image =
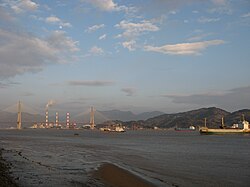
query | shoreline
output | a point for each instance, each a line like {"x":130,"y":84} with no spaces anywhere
{"x":5,"y":178}
{"x":112,"y":175}
{"x":105,"y":175}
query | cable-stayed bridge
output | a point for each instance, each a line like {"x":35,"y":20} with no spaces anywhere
{"x":30,"y":116}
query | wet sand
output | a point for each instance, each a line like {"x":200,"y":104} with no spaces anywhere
{"x":5,"y":178}
{"x":112,"y":175}
{"x":106,"y":175}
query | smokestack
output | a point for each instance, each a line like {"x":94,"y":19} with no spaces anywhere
{"x":57,"y":121}
{"x":46,"y":117}
{"x":50,"y":103}
{"x":67,"y":120}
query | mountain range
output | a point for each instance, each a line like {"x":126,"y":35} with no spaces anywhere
{"x":213,"y":117}
{"x":197,"y":117}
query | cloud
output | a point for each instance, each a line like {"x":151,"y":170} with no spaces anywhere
{"x":105,"y":5}
{"x":199,"y":37}
{"x":237,"y":98}
{"x":22,"y":6}
{"x":247,"y":15}
{"x":102,"y":37}
{"x":57,"y":21}
{"x":52,"y":19}
{"x":219,"y":2}
{"x":28,"y":94}
{"x":221,"y":7}
{"x":90,"y":83}
{"x":109,"y":6}
{"x":96,"y":50}
{"x":132,"y":30}
{"x":184,"y":48}
{"x":94,"y":28}
{"x":208,"y":20}
{"x":130,"y":45}
{"x":61,"y":42}
{"x":5,"y":16}
{"x":7,"y":84}
{"x":129,"y":91}
{"x":22,"y":52}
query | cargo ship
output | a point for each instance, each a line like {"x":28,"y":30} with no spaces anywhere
{"x":243,"y":127}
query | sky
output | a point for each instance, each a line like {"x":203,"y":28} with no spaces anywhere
{"x":130,"y":55}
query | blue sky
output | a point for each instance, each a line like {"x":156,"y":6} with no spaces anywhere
{"x":137,"y":55}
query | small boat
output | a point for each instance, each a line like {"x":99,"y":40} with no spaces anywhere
{"x":190,"y":128}
{"x":118,"y":128}
{"x":245,"y":128}
{"x":105,"y":129}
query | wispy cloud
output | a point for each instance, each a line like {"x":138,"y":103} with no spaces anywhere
{"x":129,"y":91}
{"x":57,"y":21}
{"x":94,"y":28}
{"x":61,"y":42}
{"x":90,"y":83}
{"x":221,"y":7}
{"x":109,"y":6}
{"x":130,"y":45}
{"x":105,"y":5}
{"x":96,"y":50}
{"x":28,"y":94}
{"x":199,"y":37}
{"x":247,"y":15}
{"x":132,"y":30}
{"x":208,"y":20}
{"x":22,"y":6}
{"x":184,"y":48}
{"x":219,"y":2}
{"x":102,"y":37}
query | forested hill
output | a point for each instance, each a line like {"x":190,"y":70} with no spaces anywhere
{"x":213,"y":116}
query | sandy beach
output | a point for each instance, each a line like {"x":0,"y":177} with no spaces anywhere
{"x":106,"y":175}
{"x":112,"y":175}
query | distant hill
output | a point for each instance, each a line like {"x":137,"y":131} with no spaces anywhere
{"x":128,"y":116}
{"x":118,"y":115}
{"x":147,"y":115}
{"x":196,"y":118}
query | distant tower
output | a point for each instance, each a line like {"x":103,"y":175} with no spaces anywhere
{"x":19,"y":116}
{"x":57,"y":121}
{"x":67,"y":119}
{"x":92,"y":118}
{"x":47,"y":117}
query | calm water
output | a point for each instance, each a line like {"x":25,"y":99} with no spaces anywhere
{"x":166,"y":158}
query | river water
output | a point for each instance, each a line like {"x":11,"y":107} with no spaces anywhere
{"x":42,"y":157}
